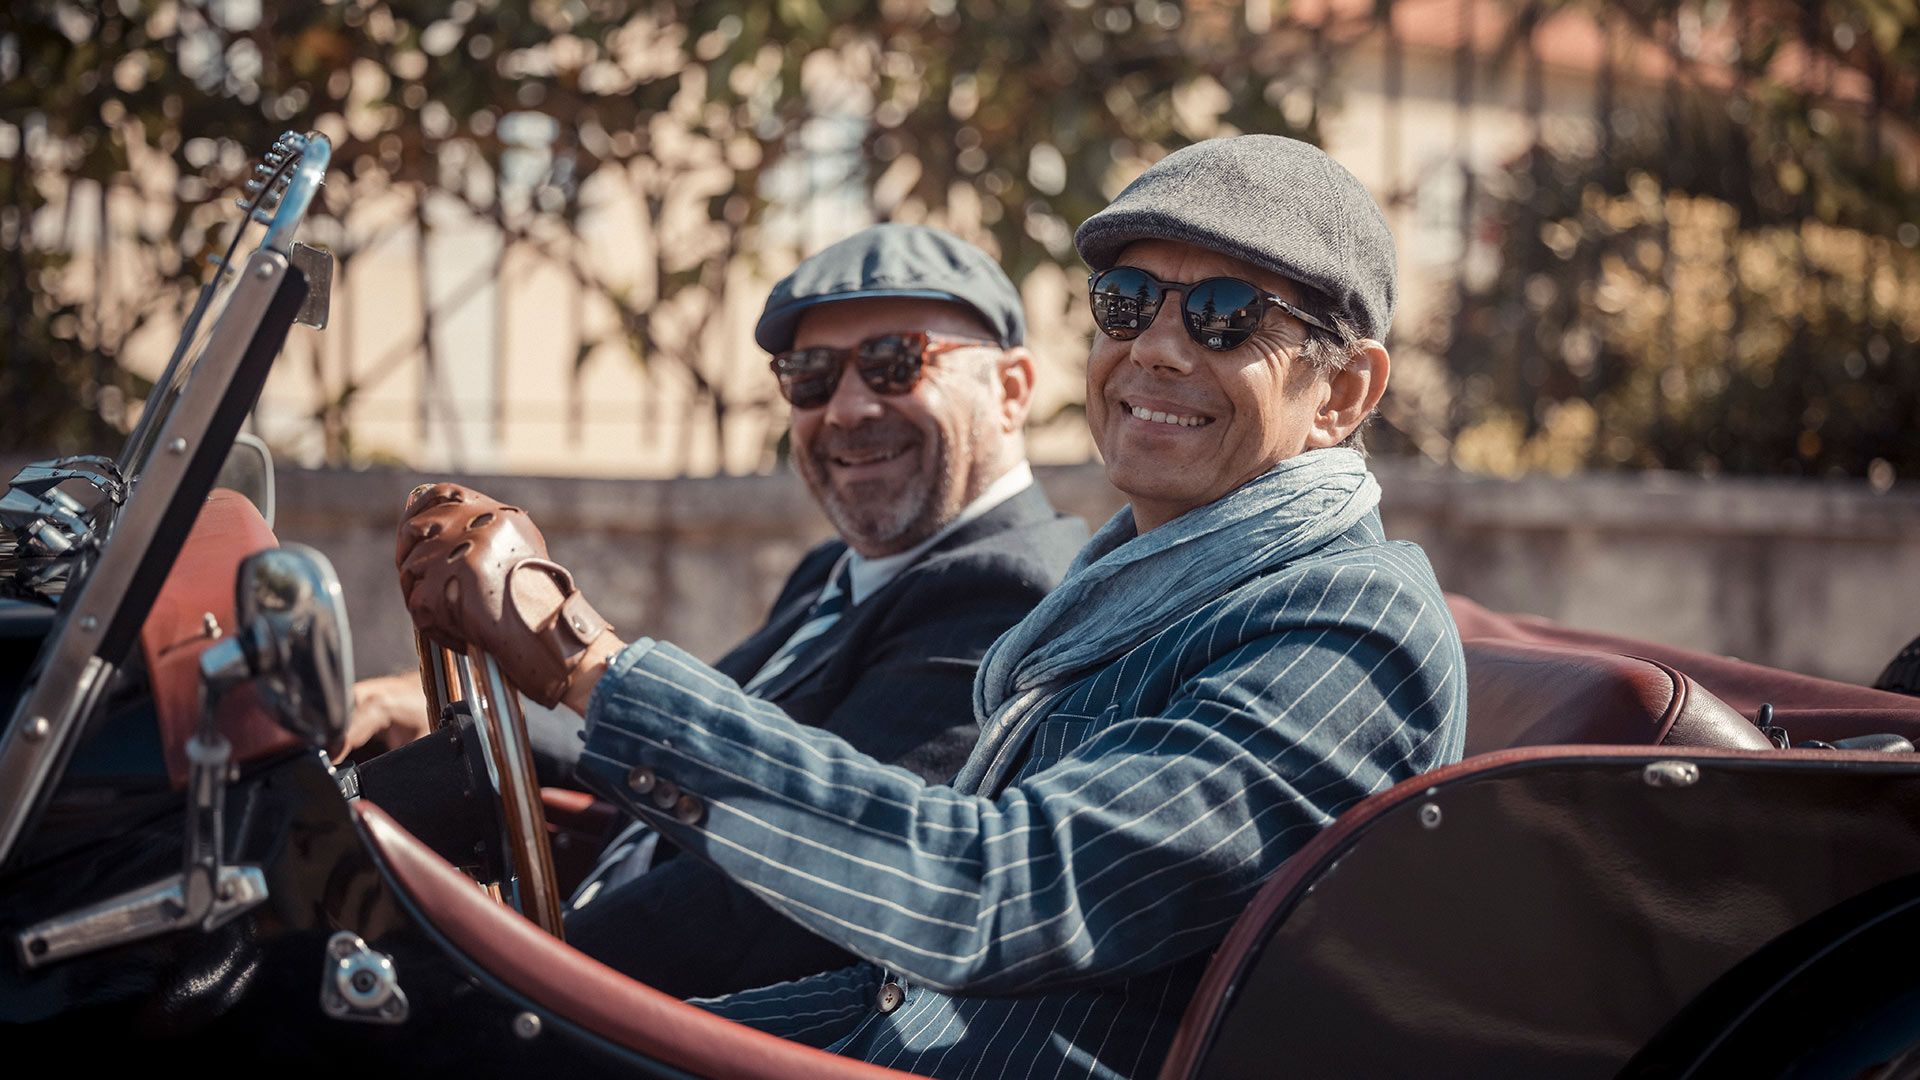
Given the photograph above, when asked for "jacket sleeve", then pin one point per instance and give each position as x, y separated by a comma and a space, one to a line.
684, 927
917, 664
1135, 850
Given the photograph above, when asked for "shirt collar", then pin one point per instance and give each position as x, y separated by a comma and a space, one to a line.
869, 575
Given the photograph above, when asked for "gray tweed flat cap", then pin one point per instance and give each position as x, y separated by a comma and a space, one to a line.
897, 261
1278, 203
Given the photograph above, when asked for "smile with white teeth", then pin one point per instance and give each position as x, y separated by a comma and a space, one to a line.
871, 457
1168, 418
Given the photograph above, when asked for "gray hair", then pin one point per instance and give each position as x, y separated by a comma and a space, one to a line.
1325, 354
1328, 355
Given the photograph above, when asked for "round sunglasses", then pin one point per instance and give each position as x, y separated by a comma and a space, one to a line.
888, 364
1220, 313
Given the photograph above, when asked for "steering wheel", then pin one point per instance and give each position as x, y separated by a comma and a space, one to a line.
531, 886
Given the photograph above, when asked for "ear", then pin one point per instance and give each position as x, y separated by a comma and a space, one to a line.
1013, 376
1352, 395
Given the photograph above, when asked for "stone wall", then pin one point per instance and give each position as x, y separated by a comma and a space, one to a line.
1817, 577
1821, 577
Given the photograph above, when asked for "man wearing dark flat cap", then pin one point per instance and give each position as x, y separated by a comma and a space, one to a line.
1231, 661
901, 351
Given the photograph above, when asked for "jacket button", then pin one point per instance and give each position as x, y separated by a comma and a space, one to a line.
890, 997
665, 794
688, 810
640, 779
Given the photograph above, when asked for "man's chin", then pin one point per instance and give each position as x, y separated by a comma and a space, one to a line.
1154, 480
879, 520
1161, 485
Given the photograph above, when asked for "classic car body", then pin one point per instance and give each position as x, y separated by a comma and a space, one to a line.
1628, 875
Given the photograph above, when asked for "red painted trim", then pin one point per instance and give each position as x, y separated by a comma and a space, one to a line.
579, 989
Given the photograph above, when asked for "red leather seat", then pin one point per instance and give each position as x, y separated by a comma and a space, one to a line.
227, 529
1807, 707
1521, 694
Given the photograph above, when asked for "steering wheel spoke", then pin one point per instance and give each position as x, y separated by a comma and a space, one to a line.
532, 885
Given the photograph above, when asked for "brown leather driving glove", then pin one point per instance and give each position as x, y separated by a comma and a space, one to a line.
475, 572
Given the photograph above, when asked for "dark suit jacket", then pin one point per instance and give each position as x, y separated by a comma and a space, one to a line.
894, 677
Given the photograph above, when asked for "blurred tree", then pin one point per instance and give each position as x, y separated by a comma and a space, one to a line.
1004, 120
1737, 288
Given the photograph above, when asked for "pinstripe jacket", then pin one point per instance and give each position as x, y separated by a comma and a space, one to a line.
1051, 916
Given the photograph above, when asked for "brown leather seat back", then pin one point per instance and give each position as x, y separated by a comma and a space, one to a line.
1521, 694
1807, 707
227, 529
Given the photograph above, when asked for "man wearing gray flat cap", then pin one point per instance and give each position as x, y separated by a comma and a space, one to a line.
1232, 661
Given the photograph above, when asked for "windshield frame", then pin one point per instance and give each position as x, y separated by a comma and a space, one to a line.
100, 615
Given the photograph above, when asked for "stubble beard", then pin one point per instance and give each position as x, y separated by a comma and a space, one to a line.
887, 523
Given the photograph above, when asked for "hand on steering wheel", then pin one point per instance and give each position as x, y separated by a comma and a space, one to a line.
475, 573
477, 580
389, 711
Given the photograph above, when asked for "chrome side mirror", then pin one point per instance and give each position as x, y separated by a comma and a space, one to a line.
293, 632
292, 643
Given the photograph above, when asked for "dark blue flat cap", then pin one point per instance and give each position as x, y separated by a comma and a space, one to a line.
906, 262
1278, 203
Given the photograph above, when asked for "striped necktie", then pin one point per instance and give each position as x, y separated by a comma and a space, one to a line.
631, 852
820, 618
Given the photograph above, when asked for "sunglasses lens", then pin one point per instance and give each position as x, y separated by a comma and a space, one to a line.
1222, 312
1124, 301
891, 364
808, 377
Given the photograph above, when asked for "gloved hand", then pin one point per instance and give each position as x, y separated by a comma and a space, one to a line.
475, 572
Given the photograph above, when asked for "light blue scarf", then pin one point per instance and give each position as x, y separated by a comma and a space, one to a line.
1124, 588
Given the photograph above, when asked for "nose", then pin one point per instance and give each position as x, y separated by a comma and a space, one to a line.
1164, 344
852, 403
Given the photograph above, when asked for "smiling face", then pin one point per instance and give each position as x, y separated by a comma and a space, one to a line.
1179, 425
892, 470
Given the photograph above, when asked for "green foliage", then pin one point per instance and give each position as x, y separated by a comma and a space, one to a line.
1042, 109
1773, 216
1735, 287
1030, 113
